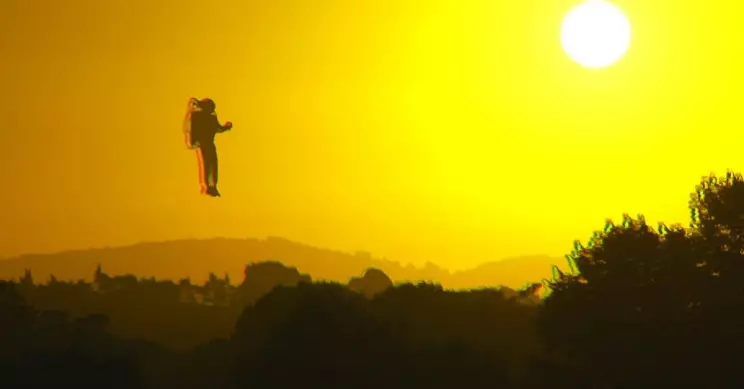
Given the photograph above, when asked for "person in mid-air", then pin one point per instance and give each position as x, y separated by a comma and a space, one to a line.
200, 127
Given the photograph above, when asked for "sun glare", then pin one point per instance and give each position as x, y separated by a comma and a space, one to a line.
595, 34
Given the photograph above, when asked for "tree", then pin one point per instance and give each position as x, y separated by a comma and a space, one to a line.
322, 333
637, 292
261, 278
16, 319
373, 282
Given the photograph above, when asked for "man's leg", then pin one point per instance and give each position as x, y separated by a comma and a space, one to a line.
215, 166
209, 152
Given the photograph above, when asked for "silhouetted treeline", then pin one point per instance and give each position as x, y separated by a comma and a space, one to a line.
643, 307
278, 320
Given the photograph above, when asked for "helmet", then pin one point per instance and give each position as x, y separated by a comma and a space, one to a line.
207, 105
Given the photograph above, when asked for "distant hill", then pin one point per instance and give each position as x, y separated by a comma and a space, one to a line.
197, 258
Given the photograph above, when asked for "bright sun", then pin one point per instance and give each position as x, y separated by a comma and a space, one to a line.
595, 34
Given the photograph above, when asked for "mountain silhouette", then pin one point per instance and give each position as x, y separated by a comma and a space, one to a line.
196, 258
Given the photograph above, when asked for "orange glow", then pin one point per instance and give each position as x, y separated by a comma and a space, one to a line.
202, 173
199, 156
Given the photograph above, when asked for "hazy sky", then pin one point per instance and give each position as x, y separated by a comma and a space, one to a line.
451, 131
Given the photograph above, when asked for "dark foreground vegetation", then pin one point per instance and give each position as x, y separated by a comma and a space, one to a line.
644, 307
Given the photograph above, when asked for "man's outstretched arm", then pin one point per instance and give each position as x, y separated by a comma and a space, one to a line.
222, 128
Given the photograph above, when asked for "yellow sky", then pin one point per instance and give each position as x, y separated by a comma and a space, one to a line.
451, 131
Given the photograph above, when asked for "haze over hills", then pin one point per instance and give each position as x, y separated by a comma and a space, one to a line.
197, 258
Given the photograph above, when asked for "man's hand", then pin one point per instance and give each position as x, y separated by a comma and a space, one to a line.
228, 125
